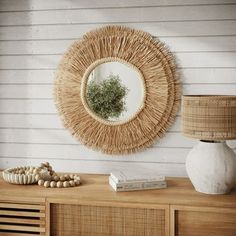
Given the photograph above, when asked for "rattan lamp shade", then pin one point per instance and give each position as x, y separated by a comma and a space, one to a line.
209, 117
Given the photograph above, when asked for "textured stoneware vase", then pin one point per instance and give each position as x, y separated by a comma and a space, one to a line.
212, 167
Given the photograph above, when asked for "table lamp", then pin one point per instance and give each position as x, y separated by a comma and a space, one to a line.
211, 164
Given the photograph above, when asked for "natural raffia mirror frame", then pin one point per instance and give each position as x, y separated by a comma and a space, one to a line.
162, 89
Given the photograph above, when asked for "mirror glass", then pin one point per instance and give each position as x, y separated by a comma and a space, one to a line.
114, 91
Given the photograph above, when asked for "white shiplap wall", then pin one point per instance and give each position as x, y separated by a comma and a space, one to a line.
34, 35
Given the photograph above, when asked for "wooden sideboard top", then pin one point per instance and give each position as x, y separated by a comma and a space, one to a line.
96, 188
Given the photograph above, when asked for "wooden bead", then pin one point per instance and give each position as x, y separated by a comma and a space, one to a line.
71, 176
59, 184
47, 177
72, 183
41, 182
42, 165
56, 178
53, 184
77, 178
66, 184
77, 182
67, 177
46, 184
62, 178
46, 164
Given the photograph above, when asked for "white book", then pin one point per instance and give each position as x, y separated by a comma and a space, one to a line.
128, 176
137, 185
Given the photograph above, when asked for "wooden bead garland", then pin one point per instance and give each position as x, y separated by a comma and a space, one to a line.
54, 180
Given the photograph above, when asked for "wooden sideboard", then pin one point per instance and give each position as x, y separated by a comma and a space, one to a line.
95, 209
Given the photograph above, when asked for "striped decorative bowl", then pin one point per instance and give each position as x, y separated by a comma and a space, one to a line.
10, 176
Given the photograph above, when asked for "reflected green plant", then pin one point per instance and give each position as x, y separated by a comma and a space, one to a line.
107, 97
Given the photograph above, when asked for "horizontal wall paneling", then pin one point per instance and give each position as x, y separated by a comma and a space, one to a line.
157, 29
169, 169
34, 5
116, 15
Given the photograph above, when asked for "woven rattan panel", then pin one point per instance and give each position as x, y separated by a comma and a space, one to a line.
67, 220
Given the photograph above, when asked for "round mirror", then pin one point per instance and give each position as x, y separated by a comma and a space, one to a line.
117, 89
111, 89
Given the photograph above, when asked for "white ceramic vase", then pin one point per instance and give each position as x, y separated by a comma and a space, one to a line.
211, 166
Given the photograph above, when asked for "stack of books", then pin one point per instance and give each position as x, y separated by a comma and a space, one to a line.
126, 181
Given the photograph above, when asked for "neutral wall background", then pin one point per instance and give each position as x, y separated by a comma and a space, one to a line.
34, 35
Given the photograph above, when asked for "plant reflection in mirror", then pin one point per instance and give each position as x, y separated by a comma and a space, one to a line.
107, 97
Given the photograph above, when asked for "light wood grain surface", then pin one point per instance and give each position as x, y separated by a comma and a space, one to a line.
96, 188
95, 207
